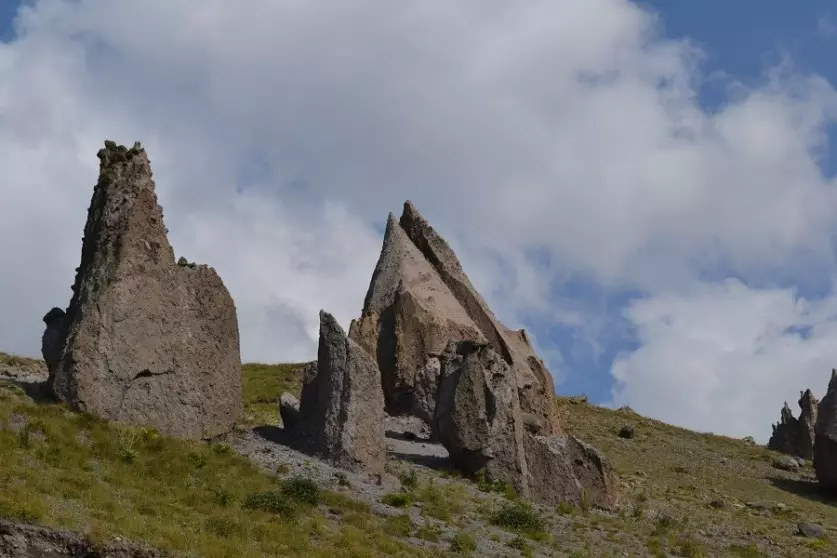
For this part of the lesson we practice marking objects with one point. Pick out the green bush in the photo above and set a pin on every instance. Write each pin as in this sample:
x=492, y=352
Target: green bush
x=463, y=543
x=518, y=516
x=397, y=499
x=409, y=480
x=271, y=501
x=302, y=490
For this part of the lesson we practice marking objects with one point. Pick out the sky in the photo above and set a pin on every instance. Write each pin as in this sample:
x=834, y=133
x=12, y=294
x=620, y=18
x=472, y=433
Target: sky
x=647, y=188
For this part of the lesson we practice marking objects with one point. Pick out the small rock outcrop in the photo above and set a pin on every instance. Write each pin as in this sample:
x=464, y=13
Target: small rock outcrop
x=479, y=420
x=19, y=540
x=825, y=437
x=147, y=342
x=52, y=340
x=341, y=410
x=796, y=436
x=420, y=299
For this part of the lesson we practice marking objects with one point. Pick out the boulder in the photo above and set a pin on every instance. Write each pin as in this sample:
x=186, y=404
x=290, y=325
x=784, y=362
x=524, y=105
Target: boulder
x=796, y=436
x=289, y=411
x=562, y=468
x=825, y=437
x=478, y=417
x=148, y=342
x=52, y=341
x=419, y=300
x=479, y=420
x=341, y=418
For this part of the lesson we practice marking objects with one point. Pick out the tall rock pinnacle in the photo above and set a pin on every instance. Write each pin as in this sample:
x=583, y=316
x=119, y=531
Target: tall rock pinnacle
x=147, y=341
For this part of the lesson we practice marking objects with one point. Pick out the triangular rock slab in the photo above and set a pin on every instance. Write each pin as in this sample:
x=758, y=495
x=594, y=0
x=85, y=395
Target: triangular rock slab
x=418, y=300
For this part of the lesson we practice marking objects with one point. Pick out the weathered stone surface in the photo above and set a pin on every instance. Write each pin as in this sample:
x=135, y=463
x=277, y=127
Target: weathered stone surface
x=18, y=540
x=52, y=341
x=825, y=439
x=796, y=436
x=148, y=342
x=289, y=411
x=342, y=406
x=478, y=417
x=562, y=468
x=420, y=299
x=479, y=421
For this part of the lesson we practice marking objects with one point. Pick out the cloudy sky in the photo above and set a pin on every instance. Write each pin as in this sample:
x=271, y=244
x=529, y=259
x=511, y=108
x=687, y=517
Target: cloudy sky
x=647, y=188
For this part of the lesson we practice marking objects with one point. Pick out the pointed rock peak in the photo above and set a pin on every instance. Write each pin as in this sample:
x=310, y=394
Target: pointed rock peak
x=410, y=212
x=329, y=323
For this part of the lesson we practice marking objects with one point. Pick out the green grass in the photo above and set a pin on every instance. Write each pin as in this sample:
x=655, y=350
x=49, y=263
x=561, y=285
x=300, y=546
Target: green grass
x=263, y=385
x=69, y=470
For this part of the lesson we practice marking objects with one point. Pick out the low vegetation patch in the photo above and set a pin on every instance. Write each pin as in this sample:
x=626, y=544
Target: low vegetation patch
x=263, y=385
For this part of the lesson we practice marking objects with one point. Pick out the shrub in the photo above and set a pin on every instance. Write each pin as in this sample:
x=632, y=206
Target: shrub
x=409, y=480
x=302, y=490
x=463, y=543
x=272, y=502
x=399, y=526
x=397, y=499
x=518, y=516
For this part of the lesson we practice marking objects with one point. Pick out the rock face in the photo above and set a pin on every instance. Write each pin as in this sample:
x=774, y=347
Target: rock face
x=796, y=436
x=53, y=339
x=420, y=299
x=31, y=541
x=147, y=342
x=478, y=417
x=341, y=411
x=479, y=420
x=825, y=438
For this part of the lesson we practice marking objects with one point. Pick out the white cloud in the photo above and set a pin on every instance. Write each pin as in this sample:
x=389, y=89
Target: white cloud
x=566, y=128
x=724, y=357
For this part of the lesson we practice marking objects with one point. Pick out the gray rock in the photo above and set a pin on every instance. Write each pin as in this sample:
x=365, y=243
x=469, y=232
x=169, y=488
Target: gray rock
x=29, y=541
x=342, y=406
x=148, y=342
x=796, y=436
x=810, y=530
x=786, y=463
x=419, y=299
x=825, y=440
x=478, y=417
x=289, y=411
x=52, y=341
x=480, y=423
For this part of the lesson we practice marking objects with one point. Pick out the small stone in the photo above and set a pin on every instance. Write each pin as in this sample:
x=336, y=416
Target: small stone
x=786, y=463
x=810, y=530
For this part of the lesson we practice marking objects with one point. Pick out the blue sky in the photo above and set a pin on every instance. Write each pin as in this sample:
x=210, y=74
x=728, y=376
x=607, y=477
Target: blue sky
x=691, y=278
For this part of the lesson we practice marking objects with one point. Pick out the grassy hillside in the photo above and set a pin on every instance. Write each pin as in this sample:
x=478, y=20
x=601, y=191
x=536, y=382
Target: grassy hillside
x=68, y=470
x=684, y=493
x=696, y=494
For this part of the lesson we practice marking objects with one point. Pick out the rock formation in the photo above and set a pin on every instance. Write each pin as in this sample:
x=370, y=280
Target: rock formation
x=796, y=436
x=478, y=419
x=147, y=342
x=420, y=299
x=52, y=340
x=825, y=437
x=341, y=411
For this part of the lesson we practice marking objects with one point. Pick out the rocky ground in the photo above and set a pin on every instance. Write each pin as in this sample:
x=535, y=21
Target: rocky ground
x=682, y=494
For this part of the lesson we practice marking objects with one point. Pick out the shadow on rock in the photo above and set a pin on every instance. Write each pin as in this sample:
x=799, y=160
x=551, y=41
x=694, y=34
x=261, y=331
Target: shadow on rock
x=806, y=488
x=40, y=392
x=273, y=434
x=436, y=462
